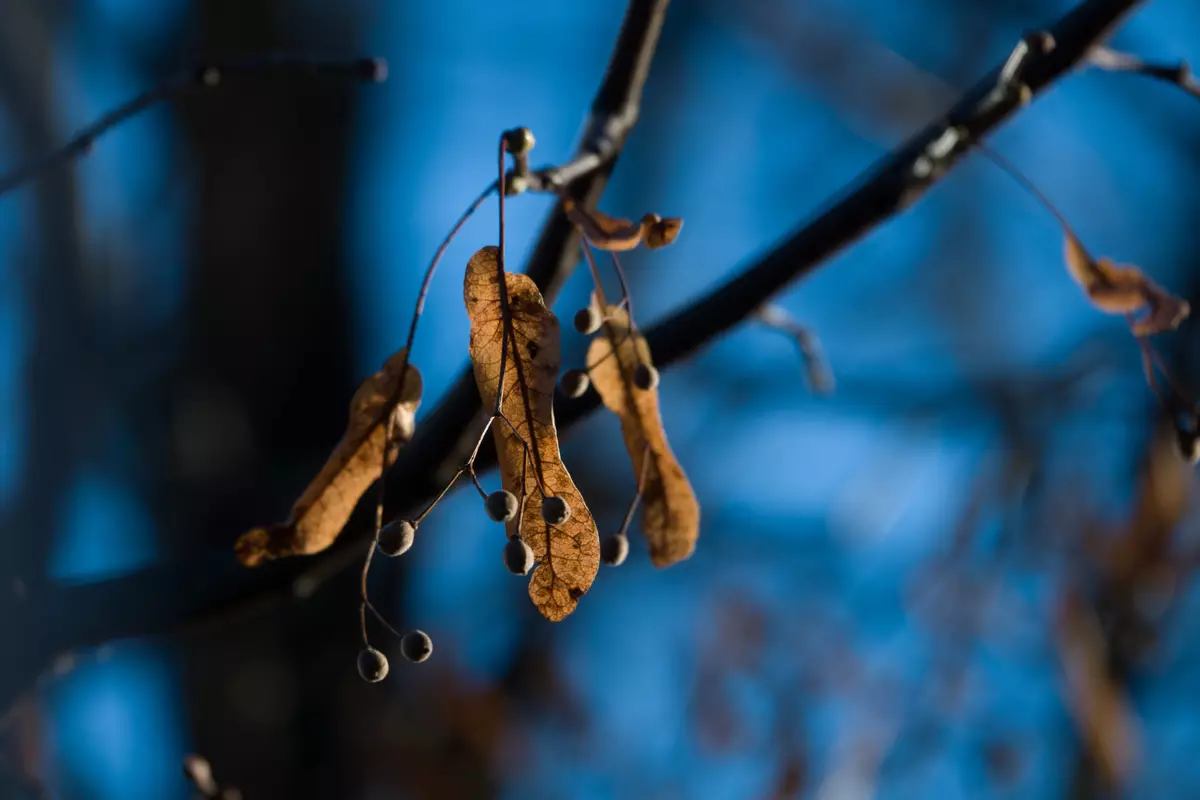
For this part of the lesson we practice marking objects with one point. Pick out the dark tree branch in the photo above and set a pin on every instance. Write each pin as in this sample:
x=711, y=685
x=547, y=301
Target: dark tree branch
x=888, y=188
x=206, y=76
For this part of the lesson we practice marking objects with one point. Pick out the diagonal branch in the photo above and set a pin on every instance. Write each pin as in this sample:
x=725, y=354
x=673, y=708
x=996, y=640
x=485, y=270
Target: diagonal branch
x=888, y=188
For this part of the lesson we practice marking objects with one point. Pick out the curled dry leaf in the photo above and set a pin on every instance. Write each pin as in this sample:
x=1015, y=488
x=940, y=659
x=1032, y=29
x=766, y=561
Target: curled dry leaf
x=1119, y=289
x=670, y=513
x=615, y=234
x=568, y=554
x=1102, y=713
x=321, y=512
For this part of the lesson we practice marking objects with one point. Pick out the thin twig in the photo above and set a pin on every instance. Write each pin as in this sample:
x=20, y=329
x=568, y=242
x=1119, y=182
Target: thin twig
x=641, y=490
x=820, y=376
x=1179, y=74
x=206, y=76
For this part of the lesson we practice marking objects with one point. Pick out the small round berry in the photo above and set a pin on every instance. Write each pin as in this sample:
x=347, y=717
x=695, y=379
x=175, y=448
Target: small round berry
x=574, y=382
x=614, y=548
x=518, y=556
x=555, y=510
x=416, y=646
x=519, y=140
x=372, y=665
x=645, y=377
x=501, y=506
x=587, y=320
x=396, y=537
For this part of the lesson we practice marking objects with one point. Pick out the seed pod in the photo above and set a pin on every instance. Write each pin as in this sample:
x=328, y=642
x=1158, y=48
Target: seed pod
x=372, y=665
x=416, y=646
x=555, y=510
x=587, y=320
x=645, y=377
x=396, y=537
x=519, y=141
x=501, y=506
x=614, y=548
x=573, y=383
x=518, y=556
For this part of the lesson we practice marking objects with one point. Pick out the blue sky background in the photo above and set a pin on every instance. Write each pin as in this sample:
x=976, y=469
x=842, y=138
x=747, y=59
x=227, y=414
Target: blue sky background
x=818, y=511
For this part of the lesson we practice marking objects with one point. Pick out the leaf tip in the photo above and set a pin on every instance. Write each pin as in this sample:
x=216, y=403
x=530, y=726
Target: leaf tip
x=660, y=231
x=253, y=548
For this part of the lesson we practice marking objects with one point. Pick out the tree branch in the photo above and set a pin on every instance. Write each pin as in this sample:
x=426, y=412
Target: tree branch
x=206, y=76
x=888, y=188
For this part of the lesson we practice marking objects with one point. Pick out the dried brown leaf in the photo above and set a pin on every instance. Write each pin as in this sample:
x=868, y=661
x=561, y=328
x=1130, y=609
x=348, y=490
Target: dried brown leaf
x=616, y=234
x=1120, y=289
x=322, y=511
x=670, y=513
x=568, y=554
x=660, y=231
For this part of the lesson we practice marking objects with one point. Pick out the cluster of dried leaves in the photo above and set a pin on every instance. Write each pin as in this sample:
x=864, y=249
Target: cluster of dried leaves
x=516, y=356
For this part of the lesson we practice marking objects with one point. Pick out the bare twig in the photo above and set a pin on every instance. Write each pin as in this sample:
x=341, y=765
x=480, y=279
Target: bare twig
x=1179, y=73
x=816, y=370
x=206, y=76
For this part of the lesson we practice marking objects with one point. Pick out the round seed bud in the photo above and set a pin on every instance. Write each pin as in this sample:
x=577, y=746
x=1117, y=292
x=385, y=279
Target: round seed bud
x=574, y=382
x=587, y=320
x=519, y=140
x=372, y=665
x=645, y=377
x=416, y=646
x=614, y=548
x=518, y=556
x=396, y=537
x=555, y=510
x=501, y=506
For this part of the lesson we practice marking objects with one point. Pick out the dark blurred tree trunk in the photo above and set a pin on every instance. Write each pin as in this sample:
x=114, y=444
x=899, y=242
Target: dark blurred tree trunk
x=265, y=376
x=64, y=391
